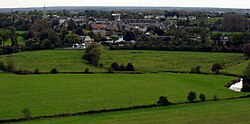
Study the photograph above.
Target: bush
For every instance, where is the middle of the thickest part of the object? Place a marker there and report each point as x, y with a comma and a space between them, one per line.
26, 113
215, 97
110, 70
122, 68
10, 67
216, 68
246, 87
36, 71
2, 66
191, 96
115, 66
163, 101
196, 69
86, 70
202, 97
130, 67
54, 71
246, 49
20, 71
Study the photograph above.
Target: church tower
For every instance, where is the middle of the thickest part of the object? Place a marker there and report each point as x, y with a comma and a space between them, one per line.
44, 13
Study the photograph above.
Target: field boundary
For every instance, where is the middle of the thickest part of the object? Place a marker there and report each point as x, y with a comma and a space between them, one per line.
90, 112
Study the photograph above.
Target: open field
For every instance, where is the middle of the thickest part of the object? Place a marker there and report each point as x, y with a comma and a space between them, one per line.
63, 60
226, 112
20, 41
146, 61
237, 69
158, 61
53, 94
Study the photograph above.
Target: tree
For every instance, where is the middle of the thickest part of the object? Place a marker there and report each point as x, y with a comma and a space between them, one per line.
2, 66
191, 96
54, 71
92, 54
4, 35
13, 36
234, 22
46, 44
26, 113
70, 39
71, 25
202, 97
196, 69
163, 101
115, 66
246, 79
246, 49
39, 26
130, 67
122, 68
216, 68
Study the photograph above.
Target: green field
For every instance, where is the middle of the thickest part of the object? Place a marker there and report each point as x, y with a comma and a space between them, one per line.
146, 61
20, 41
237, 69
53, 94
63, 60
223, 112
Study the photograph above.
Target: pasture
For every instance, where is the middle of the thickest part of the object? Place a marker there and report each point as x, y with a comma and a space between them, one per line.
229, 112
145, 61
62, 93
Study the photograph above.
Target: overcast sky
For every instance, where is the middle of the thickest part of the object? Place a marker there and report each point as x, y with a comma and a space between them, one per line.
177, 3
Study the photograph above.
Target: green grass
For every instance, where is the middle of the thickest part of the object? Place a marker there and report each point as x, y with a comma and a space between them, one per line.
213, 20
146, 61
21, 32
158, 61
20, 41
237, 69
53, 94
226, 112
63, 60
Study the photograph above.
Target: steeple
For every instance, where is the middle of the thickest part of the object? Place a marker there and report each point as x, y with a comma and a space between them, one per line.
44, 13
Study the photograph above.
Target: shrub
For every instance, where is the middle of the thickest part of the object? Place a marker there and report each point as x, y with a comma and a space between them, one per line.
216, 67
191, 96
122, 67
92, 54
36, 71
115, 66
86, 70
26, 113
196, 69
163, 101
54, 71
130, 67
202, 97
20, 71
110, 70
2, 67
246, 49
215, 97
246, 87
10, 67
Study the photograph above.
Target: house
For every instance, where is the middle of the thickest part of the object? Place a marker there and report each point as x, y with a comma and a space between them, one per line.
86, 39
99, 26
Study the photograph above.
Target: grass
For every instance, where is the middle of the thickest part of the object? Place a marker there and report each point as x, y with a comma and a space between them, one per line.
158, 61
146, 61
53, 94
63, 60
237, 69
227, 112
20, 41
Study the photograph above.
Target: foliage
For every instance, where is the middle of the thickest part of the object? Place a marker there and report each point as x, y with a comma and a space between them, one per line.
2, 66
196, 69
10, 67
115, 66
70, 39
54, 71
36, 71
216, 68
92, 54
215, 97
86, 70
234, 22
246, 49
46, 44
163, 100
191, 96
130, 67
26, 113
202, 97
72, 25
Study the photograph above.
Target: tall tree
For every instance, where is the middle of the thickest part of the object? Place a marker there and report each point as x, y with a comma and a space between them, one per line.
5, 35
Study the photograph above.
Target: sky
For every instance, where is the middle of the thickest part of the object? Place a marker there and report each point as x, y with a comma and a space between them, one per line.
160, 3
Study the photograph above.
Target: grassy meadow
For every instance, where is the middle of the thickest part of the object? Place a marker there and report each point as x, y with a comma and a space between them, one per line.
62, 93
226, 112
146, 61
237, 69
